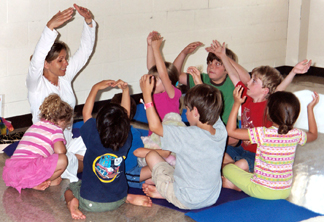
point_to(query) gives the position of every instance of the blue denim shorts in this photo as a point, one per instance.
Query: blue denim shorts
(238, 153)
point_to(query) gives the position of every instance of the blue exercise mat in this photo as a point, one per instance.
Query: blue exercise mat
(226, 195)
(252, 209)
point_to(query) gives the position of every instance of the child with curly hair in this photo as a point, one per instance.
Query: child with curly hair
(40, 159)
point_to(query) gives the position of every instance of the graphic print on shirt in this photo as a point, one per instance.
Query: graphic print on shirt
(246, 122)
(246, 119)
(106, 167)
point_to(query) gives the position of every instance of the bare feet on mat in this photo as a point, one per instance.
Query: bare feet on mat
(139, 200)
(73, 207)
(56, 182)
(151, 191)
(228, 184)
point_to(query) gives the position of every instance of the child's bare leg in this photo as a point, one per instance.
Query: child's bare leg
(72, 204)
(145, 173)
(232, 141)
(153, 158)
(151, 191)
(139, 200)
(56, 181)
(43, 185)
(62, 163)
(227, 159)
(243, 164)
(228, 184)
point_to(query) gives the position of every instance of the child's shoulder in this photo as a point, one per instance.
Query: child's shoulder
(89, 127)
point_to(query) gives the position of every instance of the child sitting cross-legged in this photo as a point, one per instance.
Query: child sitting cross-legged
(108, 139)
(199, 148)
(276, 146)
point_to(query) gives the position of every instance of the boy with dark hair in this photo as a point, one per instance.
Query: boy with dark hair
(199, 148)
(108, 139)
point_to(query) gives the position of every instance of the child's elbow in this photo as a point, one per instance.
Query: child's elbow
(229, 132)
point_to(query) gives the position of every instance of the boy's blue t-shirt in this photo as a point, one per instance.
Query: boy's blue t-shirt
(103, 178)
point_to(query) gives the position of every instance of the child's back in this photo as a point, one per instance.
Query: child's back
(40, 159)
(196, 185)
(276, 146)
(103, 178)
(199, 147)
(108, 139)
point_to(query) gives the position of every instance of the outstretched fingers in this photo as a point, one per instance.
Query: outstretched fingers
(60, 18)
(120, 84)
(84, 12)
(315, 100)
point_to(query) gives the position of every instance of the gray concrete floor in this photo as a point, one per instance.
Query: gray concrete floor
(49, 205)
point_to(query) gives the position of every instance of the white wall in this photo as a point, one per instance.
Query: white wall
(255, 29)
(315, 41)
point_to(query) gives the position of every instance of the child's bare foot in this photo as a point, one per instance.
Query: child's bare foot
(56, 182)
(139, 200)
(43, 185)
(151, 191)
(73, 207)
(228, 184)
(149, 181)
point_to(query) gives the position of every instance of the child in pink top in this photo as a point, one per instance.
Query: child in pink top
(276, 146)
(166, 96)
(40, 159)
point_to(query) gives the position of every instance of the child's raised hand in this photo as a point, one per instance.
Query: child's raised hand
(216, 48)
(191, 47)
(194, 72)
(104, 84)
(302, 67)
(156, 40)
(120, 84)
(237, 94)
(149, 37)
(147, 83)
(315, 100)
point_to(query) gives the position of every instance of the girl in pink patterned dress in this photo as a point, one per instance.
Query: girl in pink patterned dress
(276, 146)
(40, 159)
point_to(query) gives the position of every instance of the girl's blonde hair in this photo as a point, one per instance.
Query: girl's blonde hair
(54, 109)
